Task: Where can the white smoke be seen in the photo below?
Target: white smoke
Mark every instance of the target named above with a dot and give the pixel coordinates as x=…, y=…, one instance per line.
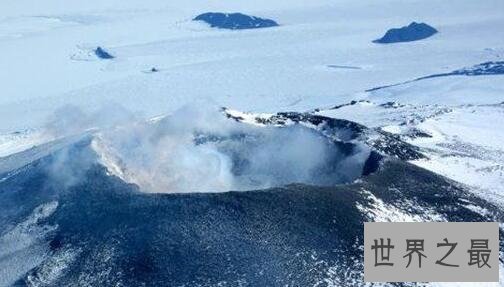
x=69, y=119
x=198, y=149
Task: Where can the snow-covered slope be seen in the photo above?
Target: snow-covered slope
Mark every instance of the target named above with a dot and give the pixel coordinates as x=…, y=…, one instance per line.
x=462, y=142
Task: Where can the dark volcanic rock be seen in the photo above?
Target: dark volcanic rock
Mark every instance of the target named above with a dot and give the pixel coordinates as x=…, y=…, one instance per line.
x=234, y=21
x=412, y=32
x=102, y=54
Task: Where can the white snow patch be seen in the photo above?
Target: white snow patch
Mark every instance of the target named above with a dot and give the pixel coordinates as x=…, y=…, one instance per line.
x=382, y=212
x=393, y=129
x=53, y=268
x=107, y=158
x=21, y=247
x=467, y=147
x=11, y=143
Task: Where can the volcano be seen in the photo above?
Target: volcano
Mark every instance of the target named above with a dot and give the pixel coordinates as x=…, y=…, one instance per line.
x=69, y=218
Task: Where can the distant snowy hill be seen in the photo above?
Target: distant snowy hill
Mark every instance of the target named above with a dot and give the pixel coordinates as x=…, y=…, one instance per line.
x=234, y=21
x=413, y=32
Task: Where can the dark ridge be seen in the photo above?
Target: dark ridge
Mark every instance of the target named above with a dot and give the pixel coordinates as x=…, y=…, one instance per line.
x=385, y=143
x=483, y=69
x=351, y=103
x=416, y=133
x=102, y=54
x=391, y=105
x=234, y=21
x=372, y=163
x=412, y=32
x=346, y=131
